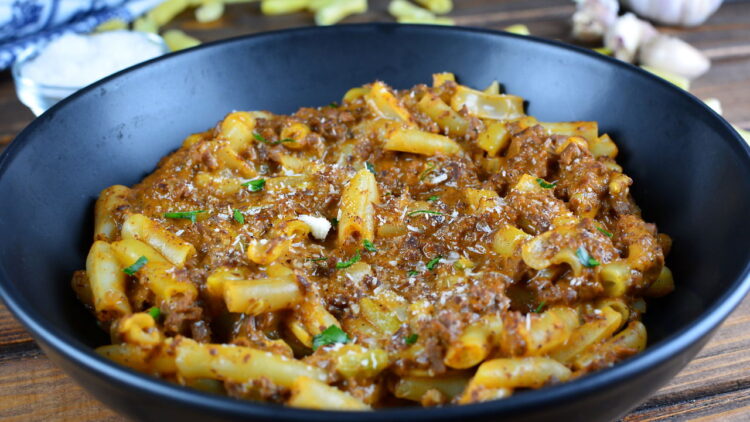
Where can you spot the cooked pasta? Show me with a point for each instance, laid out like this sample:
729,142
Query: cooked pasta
433,245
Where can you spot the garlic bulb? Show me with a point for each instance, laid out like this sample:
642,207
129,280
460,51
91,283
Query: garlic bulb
675,12
673,55
626,35
592,18
631,38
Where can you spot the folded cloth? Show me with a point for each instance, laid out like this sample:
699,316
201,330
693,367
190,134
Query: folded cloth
31,23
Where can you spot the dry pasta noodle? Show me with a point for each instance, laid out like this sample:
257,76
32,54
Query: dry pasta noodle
434,244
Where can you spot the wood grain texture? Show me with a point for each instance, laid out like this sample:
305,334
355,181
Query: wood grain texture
11,332
32,388
714,386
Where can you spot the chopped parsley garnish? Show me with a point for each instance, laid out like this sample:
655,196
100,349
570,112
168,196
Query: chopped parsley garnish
544,184
433,198
238,217
604,232
334,221
540,307
322,258
413,213
370,167
256,185
369,246
430,167
260,138
412,273
349,263
433,262
137,265
333,104
330,335
587,260
186,215
155,312
411,339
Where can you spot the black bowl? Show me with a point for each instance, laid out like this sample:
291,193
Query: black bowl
691,172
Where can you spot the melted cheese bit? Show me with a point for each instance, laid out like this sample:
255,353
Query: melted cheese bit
319,226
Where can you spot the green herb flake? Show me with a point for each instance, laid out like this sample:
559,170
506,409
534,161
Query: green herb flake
411,339
413,213
433,198
430,167
540,307
369,246
155,312
349,263
260,138
604,232
412,273
256,185
137,265
322,258
330,335
238,216
587,260
334,221
333,104
370,167
544,184
185,215
433,262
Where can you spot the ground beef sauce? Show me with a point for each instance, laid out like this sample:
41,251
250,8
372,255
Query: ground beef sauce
434,273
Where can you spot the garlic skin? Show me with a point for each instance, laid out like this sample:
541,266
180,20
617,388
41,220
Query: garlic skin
674,12
592,18
673,55
626,35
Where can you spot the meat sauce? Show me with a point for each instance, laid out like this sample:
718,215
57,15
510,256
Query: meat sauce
442,257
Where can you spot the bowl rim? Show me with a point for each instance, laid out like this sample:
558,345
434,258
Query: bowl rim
655,355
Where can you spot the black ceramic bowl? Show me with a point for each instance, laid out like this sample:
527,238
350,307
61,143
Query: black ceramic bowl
691,172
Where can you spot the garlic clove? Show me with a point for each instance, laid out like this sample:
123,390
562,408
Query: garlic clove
696,12
626,35
674,12
592,18
674,55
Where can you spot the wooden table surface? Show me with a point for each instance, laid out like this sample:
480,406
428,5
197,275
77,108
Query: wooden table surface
714,386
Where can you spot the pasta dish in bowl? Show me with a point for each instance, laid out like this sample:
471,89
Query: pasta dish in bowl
433,245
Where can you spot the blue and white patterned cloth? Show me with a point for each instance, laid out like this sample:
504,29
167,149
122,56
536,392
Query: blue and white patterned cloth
29,23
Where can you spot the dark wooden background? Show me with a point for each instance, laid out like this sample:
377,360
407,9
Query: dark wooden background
714,386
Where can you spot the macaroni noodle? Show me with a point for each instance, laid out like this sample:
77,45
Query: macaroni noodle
433,245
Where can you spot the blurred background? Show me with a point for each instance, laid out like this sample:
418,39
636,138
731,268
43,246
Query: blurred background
700,45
